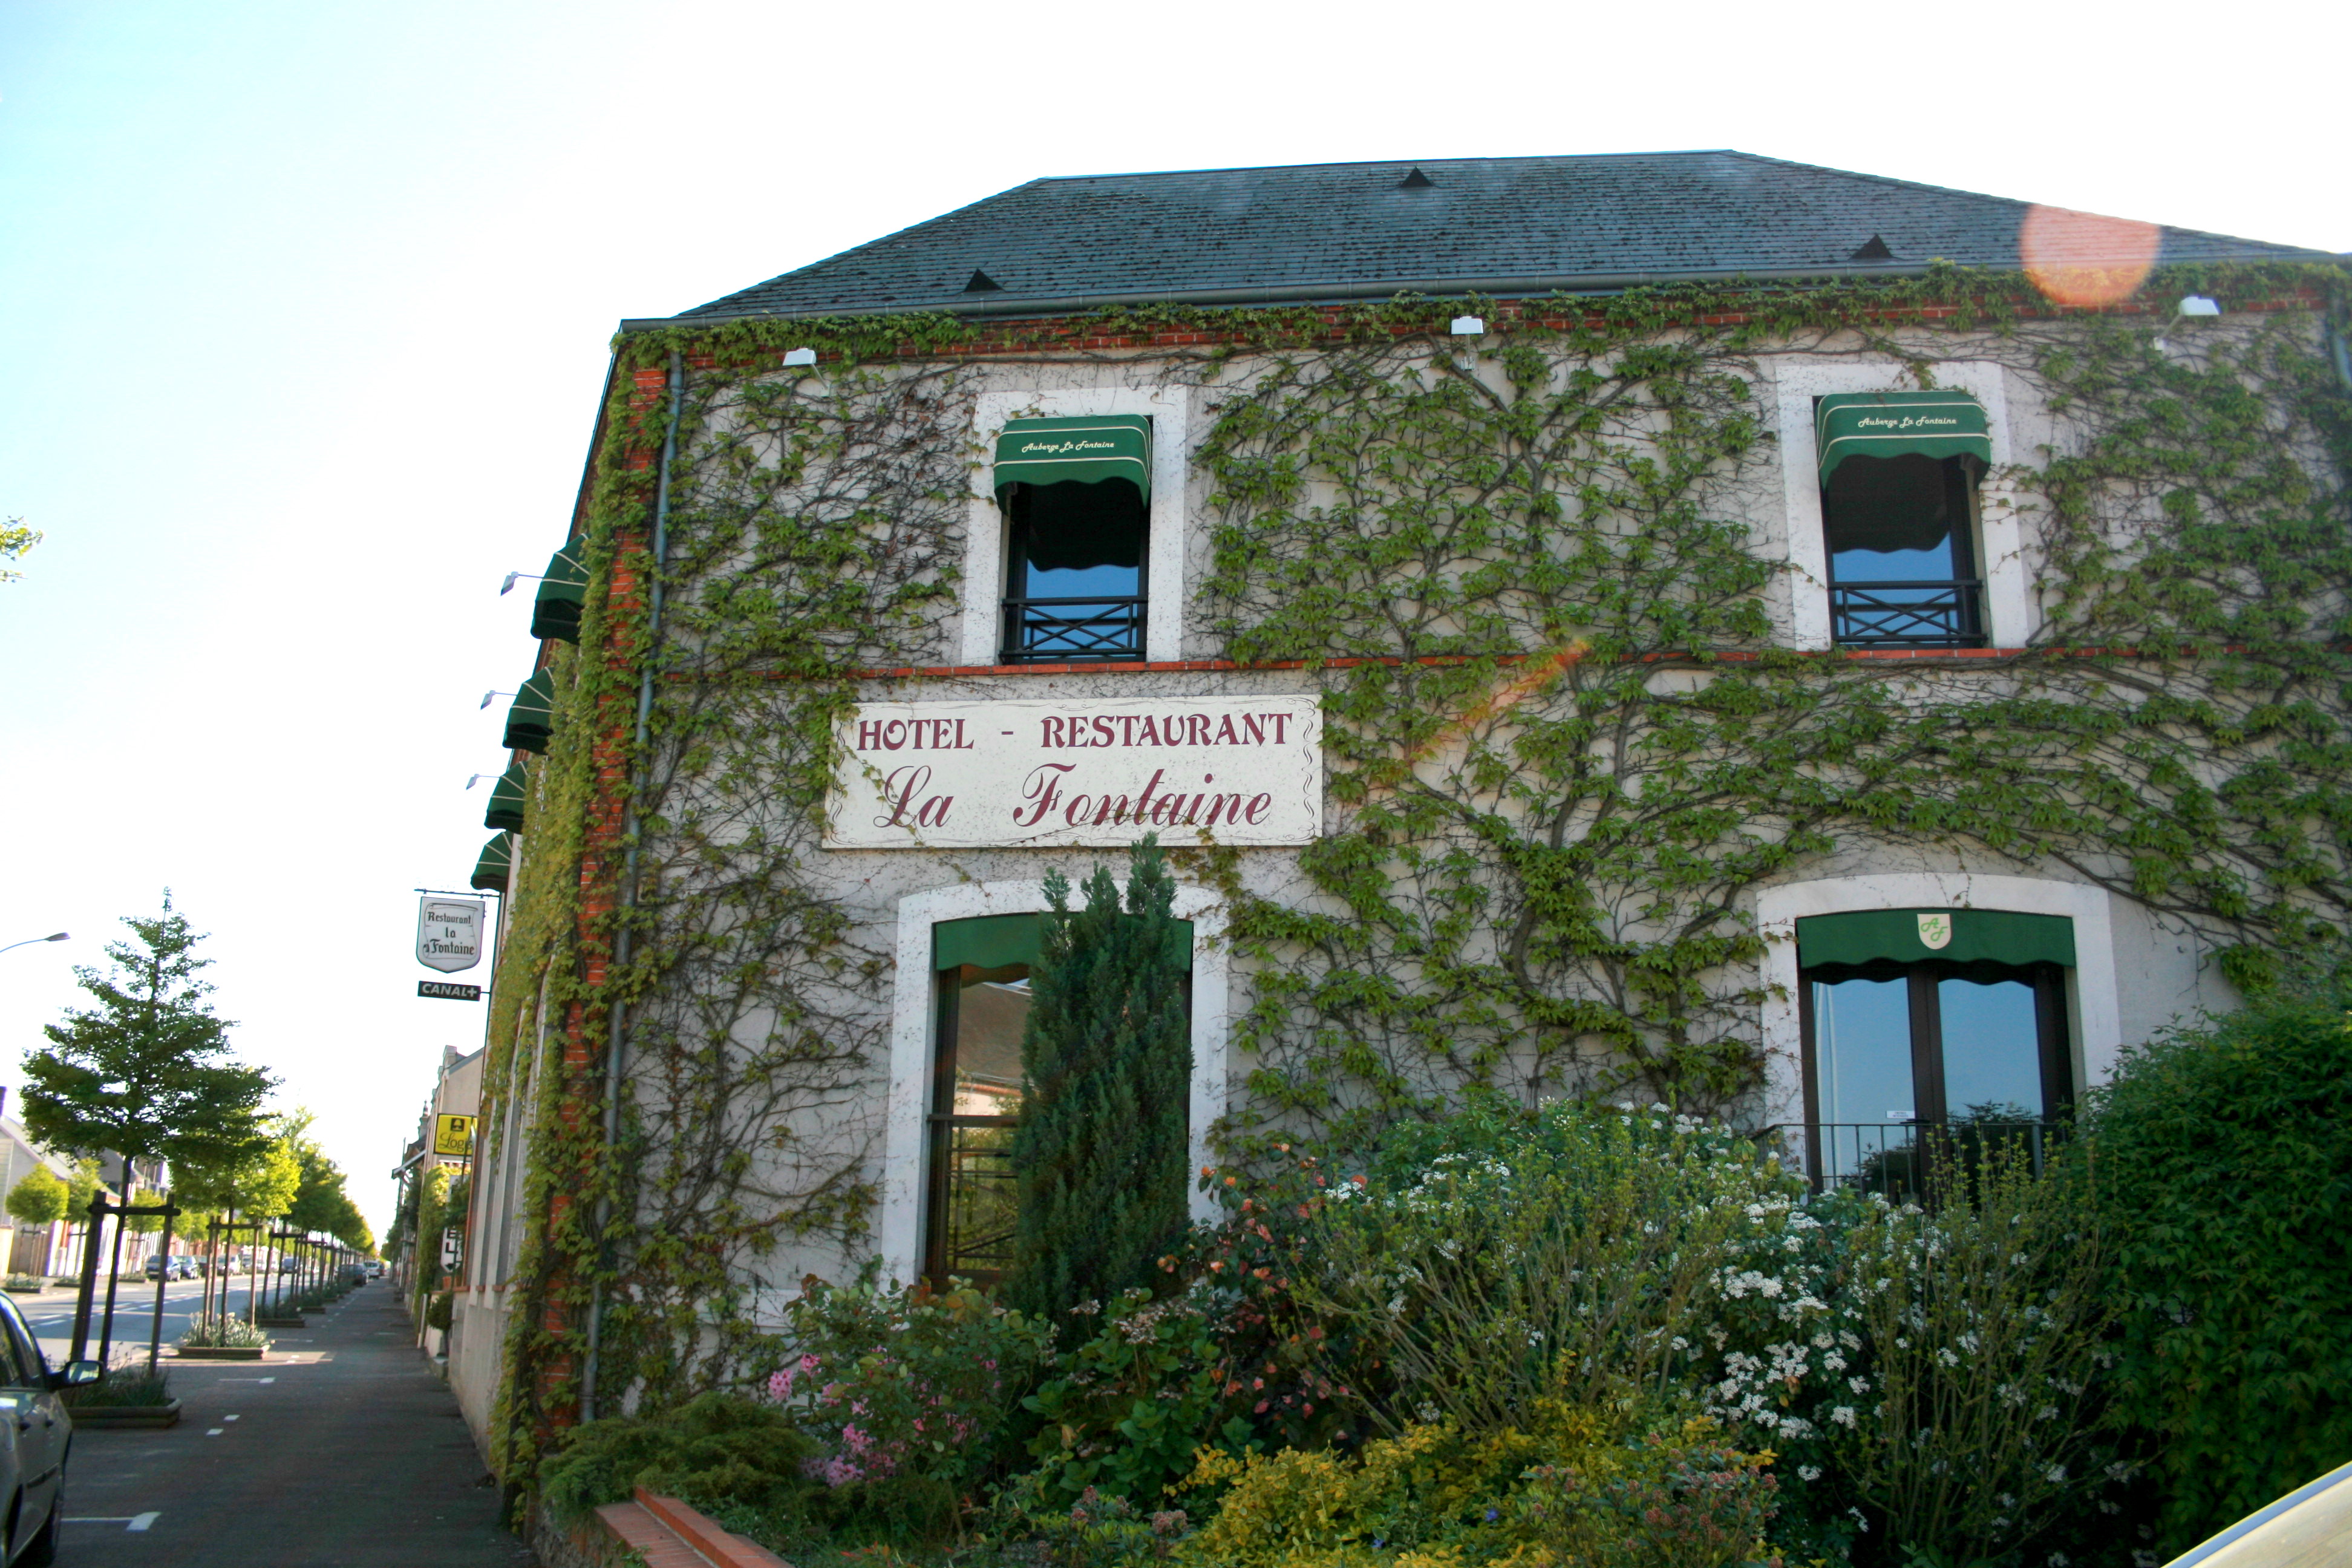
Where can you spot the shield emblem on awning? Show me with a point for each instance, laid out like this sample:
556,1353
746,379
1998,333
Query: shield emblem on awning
1936,931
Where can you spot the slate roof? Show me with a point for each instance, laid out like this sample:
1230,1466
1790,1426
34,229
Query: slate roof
1334,231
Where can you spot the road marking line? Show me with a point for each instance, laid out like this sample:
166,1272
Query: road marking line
214,1433
141,1521
228,1417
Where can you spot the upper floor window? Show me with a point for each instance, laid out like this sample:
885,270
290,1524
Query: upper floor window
1075,493
1898,477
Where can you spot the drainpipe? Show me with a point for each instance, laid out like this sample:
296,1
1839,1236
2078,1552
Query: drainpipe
616,1044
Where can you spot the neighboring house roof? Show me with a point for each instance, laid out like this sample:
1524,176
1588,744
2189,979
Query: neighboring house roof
1332,231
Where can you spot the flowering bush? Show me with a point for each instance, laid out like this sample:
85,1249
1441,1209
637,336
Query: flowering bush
904,1393
1984,1324
1576,1255
1134,1402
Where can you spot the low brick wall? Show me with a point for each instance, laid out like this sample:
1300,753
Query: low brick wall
658,1531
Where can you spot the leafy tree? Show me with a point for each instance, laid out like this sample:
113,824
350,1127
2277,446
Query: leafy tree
1107,1064
39,1199
258,1182
145,1071
81,1188
2225,1158
15,540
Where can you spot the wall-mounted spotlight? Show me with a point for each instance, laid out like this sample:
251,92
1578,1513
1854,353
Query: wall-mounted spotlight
800,356
490,696
1467,327
512,578
2190,305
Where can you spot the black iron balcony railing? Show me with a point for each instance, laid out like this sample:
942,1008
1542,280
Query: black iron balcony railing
1907,614
1053,629
1904,1162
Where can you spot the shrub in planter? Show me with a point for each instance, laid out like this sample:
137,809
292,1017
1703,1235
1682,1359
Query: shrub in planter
905,1396
121,1389
23,1282
2225,1162
718,1451
440,1311
217,1331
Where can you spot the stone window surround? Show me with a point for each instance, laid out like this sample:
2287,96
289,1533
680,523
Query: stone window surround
984,560
2009,618
2095,1022
914,1018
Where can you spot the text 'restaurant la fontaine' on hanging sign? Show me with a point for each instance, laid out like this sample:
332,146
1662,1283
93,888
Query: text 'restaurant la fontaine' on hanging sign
970,775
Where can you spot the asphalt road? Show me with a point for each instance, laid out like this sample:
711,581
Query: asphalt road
343,1450
51,1313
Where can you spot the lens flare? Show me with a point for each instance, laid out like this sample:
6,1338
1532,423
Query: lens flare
1537,674
2084,260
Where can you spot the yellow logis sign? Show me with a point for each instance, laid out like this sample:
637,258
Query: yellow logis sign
453,1135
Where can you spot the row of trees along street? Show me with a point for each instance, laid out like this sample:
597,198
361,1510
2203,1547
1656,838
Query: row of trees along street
146,1074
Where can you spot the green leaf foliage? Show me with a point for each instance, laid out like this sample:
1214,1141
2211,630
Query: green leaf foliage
2225,1155
150,1032
39,1198
1106,1062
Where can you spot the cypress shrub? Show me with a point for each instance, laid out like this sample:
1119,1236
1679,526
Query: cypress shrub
1107,1057
2225,1169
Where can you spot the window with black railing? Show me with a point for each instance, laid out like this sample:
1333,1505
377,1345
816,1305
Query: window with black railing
1074,581
1907,1064
1901,533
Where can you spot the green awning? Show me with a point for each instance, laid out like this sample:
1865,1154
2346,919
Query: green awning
531,720
991,941
491,871
1089,451
507,798
555,613
1976,936
1894,423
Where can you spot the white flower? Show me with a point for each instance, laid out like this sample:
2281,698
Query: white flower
1859,1384
1842,1416
2055,1474
1835,1362
1809,1472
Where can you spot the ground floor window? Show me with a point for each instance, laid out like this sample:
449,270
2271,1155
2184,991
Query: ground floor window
1929,1019
982,968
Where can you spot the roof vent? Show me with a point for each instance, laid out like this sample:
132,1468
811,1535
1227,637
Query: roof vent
1416,181
1875,250
981,283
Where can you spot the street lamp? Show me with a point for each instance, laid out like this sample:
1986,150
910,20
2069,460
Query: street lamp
53,936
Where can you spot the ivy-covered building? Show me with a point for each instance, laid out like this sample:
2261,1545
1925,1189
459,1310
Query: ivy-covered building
1830,652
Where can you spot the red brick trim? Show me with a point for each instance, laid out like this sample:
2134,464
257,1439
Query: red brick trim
1228,666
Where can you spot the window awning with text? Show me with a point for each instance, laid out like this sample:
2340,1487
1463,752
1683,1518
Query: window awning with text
1900,424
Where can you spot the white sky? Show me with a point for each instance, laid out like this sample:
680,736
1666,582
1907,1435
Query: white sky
303,311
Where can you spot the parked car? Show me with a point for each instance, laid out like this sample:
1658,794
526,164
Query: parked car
2310,1525
289,1264
178,1266
376,1268
356,1273
35,1443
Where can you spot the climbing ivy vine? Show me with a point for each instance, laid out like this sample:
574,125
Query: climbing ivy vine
1562,747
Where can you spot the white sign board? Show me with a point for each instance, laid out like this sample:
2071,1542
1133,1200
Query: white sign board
452,1249
449,933
970,775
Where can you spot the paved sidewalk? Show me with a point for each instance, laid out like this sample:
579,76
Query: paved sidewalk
351,1455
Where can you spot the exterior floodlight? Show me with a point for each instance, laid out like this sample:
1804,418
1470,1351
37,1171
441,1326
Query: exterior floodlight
1467,327
2199,305
800,356
512,578
488,697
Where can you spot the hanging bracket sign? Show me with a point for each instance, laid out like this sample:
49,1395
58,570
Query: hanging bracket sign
969,775
448,932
